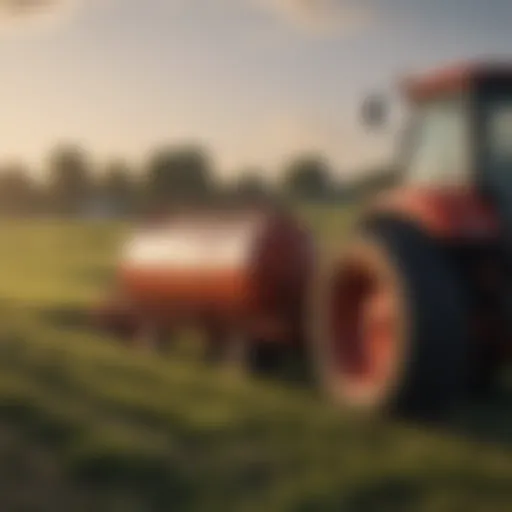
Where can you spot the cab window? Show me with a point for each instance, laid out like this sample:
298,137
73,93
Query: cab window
440,153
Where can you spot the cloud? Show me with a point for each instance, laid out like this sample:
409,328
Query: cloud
12,10
15,14
313,17
317,17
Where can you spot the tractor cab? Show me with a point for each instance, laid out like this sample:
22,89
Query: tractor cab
415,313
455,166
461,130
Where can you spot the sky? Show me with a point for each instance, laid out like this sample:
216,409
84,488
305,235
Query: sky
253,81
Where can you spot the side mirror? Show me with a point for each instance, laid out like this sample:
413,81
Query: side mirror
374,112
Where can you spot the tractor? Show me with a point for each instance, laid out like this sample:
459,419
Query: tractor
413,314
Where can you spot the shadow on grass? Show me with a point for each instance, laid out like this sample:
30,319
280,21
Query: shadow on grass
488,421
404,493
397,494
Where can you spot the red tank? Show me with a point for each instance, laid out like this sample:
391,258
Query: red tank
243,269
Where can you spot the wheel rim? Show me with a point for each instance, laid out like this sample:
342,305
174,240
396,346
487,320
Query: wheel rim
364,330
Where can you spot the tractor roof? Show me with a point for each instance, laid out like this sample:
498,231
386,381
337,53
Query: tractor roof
457,78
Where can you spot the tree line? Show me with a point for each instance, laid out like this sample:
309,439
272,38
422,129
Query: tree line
73,186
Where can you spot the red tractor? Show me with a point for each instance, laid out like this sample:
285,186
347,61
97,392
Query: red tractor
415,312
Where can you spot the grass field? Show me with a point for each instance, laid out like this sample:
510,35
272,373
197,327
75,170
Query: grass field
87,425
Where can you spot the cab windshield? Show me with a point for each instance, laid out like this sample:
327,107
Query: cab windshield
441,148
439,152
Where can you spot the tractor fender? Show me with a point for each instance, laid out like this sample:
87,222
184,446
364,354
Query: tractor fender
443,214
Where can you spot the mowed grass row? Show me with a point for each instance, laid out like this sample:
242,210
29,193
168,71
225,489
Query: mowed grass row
86,424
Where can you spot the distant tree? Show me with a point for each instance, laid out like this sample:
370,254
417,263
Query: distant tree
178,174
307,177
70,183
18,193
374,180
251,185
117,187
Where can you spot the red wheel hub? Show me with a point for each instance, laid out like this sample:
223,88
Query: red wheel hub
364,327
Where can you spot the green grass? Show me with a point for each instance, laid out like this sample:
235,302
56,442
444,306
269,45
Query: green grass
87,425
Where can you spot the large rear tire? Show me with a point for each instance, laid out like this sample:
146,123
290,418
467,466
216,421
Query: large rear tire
389,325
